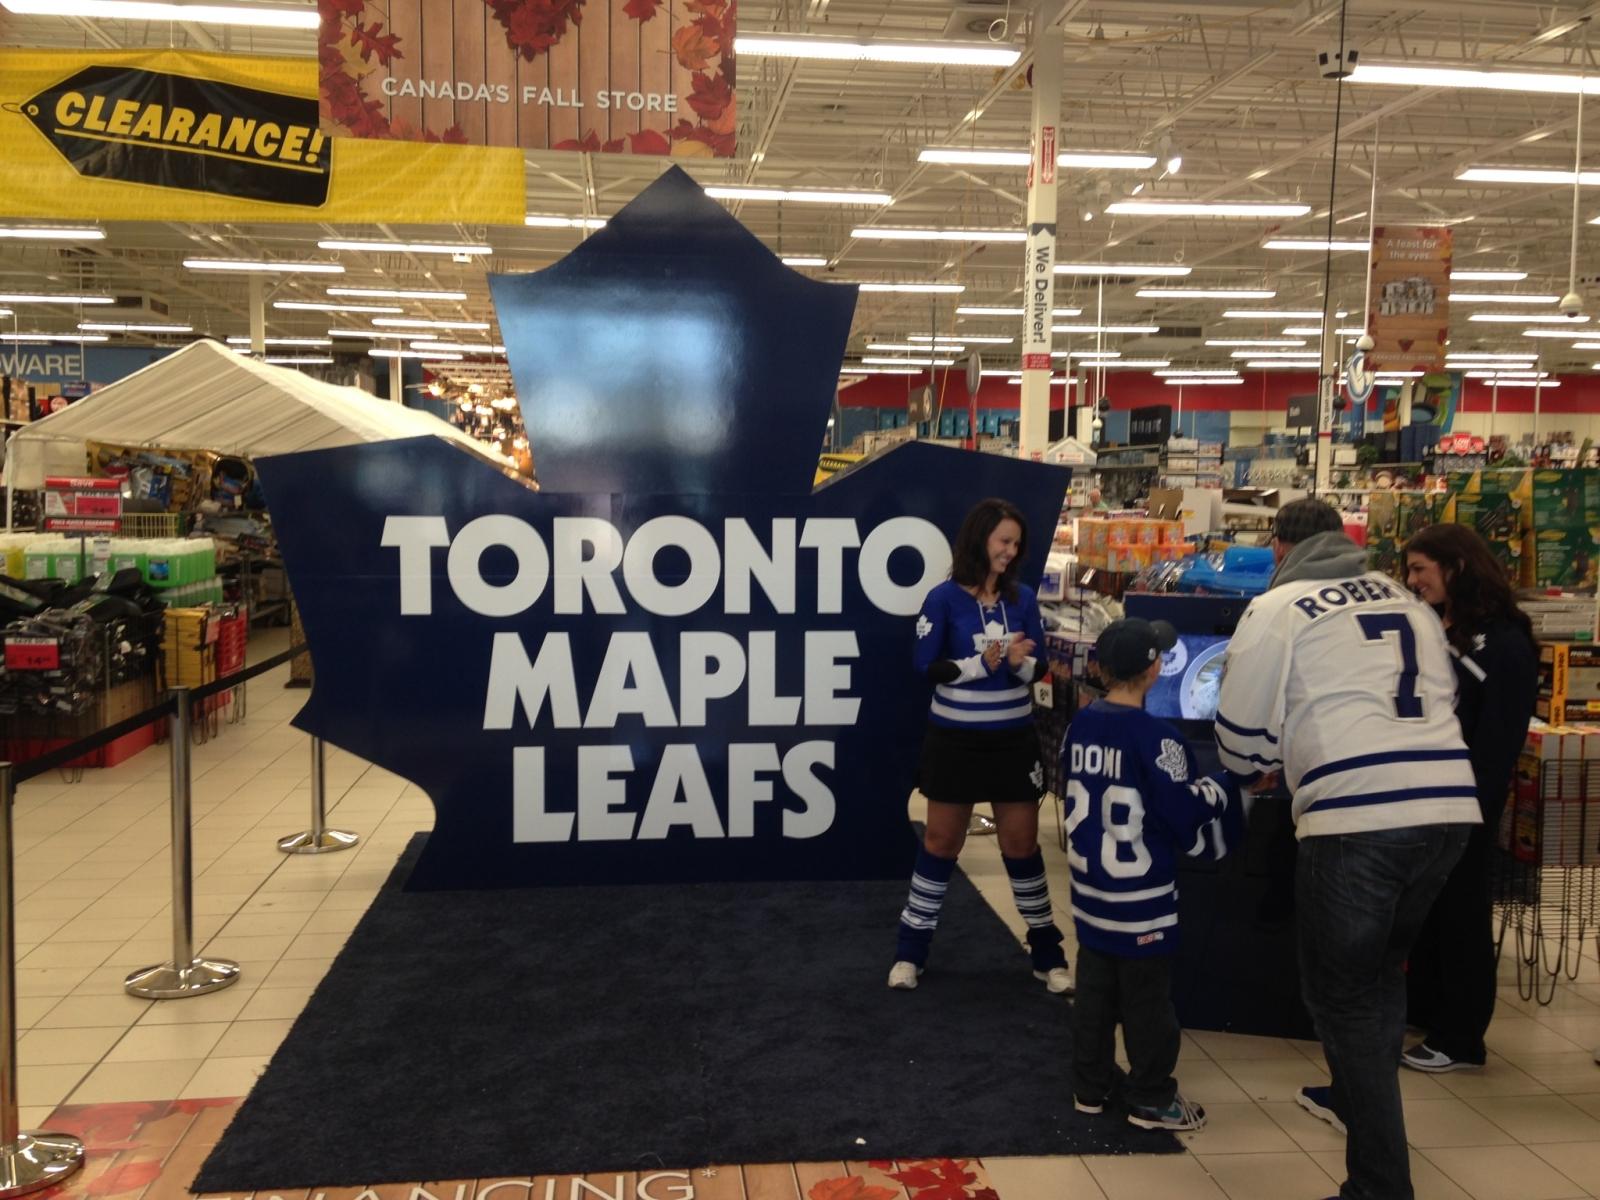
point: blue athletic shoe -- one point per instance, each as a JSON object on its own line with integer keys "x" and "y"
{"x": 1179, "y": 1115}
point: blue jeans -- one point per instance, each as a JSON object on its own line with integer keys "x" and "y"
{"x": 1360, "y": 900}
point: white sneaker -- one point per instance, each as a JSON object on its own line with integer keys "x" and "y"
{"x": 903, "y": 975}
{"x": 1058, "y": 980}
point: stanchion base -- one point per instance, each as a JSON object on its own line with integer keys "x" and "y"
{"x": 308, "y": 843}
{"x": 167, "y": 982}
{"x": 38, "y": 1160}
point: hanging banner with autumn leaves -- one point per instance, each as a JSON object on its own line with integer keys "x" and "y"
{"x": 612, "y": 76}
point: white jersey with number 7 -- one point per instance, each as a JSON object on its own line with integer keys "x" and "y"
{"x": 1346, "y": 686}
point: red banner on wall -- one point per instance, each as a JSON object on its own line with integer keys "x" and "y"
{"x": 615, "y": 76}
{"x": 1410, "y": 302}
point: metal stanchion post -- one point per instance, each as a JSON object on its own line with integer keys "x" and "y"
{"x": 28, "y": 1161}
{"x": 185, "y": 975}
{"x": 319, "y": 839}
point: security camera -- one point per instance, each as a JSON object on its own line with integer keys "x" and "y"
{"x": 1365, "y": 343}
{"x": 1571, "y": 305}
{"x": 1333, "y": 65}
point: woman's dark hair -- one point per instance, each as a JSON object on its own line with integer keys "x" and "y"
{"x": 1479, "y": 590}
{"x": 969, "y": 557}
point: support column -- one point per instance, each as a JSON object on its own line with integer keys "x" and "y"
{"x": 258, "y": 315}
{"x": 397, "y": 387}
{"x": 1326, "y": 386}
{"x": 1039, "y": 270}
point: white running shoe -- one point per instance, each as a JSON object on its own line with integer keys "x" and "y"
{"x": 1058, "y": 980}
{"x": 903, "y": 975}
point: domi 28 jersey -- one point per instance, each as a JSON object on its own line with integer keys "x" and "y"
{"x": 1133, "y": 806}
{"x": 1346, "y": 683}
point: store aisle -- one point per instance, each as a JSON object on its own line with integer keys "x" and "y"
{"x": 93, "y": 905}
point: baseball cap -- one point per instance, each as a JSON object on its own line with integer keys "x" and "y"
{"x": 1127, "y": 647}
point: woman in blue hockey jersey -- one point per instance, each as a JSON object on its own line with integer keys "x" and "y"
{"x": 976, "y": 637}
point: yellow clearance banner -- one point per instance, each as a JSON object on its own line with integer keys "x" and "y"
{"x": 178, "y": 136}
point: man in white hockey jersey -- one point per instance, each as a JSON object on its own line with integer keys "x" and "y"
{"x": 1341, "y": 678}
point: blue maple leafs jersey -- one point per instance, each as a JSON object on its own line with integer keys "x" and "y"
{"x": 954, "y": 627}
{"x": 1133, "y": 806}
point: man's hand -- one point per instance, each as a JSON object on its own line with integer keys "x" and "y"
{"x": 1019, "y": 650}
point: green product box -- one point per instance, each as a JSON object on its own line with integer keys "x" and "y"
{"x": 1564, "y": 558}
{"x": 1566, "y": 499}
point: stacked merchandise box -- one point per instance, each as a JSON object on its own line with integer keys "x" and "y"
{"x": 188, "y": 647}
{"x": 1569, "y": 682}
{"x": 1499, "y": 505}
{"x": 1566, "y": 521}
{"x": 1553, "y": 819}
{"x": 1392, "y": 519}
{"x": 1129, "y": 543}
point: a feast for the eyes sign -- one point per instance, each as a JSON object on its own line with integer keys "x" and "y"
{"x": 673, "y": 661}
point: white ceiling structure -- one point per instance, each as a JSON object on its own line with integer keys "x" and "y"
{"x": 1234, "y": 89}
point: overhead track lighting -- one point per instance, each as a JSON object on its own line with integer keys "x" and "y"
{"x": 1255, "y": 342}
{"x": 319, "y": 306}
{"x": 1269, "y": 314}
{"x": 265, "y": 16}
{"x": 804, "y": 260}
{"x": 1527, "y": 319}
{"x": 441, "y": 355}
{"x": 964, "y": 338}
{"x": 980, "y": 310}
{"x": 1487, "y": 276}
{"x": 937, "y": 289}
{"x": 801, "y": 195}
{"x": 54, "y": 337}
{"x": 543, "y": 222}
{"x": 951, "y": 54}
{"x": 1105, "y": 329}
{"x": 394, "y": 294}
{"x": 1337, "y": 245}
{"x": 288, "y": 360}
{"x": 242, "y": 340}
{"x": 1209, "y": 208}
{"x": 1071, "y": 159}
{"x": 419, "y": 323}
{"x": 120, "y": 327}
{"x": 1500, "y": 298}
{"x": 1544, "y": 175}
{"x": 1201, "y": 381}
{"x": 46, "y": 233}
{"x": 907, "y": 362}
{"x": 53, "y": 298}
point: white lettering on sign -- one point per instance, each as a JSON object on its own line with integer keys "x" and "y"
{"x": 36, "y": 364}
{"x": 671, "y": 566}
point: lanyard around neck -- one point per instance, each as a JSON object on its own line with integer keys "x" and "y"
{"x": 983, "y": 621}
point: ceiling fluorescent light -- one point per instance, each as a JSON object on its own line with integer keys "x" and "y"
{"x": 803, "y": 195}
{"x": 1134, "y": 363}
{"x": 1195, "y": 372}
{"x": 1586, "y": 345}
{"x": 1408, "y": 75}
{"x": 908, "y": 362}
{"x": 319, "y": 306}
{"x": 242, "y": 340}
{"x": 1390, "y": 376}
{"x": 1072, "y": 159}
{"x": 980, "y": 310}
{"x": 1527, "y": 319}
{"x": 942, "y": 348}
{"x": 1105, "y": 328}
{"x": 950, "y": 54}
{"x": 285, "y": 360}
{"x": 1206, "y": 293}
{"x": 1133, "y": 270}
{"x": 394, "y": 294}
{"x": 1316, "y": 331}
{"x": 1336, "y": 244}
{"x": 857, "y": 370}
{"x": 54, "y": 337}
{"x": 1096, "y": 354}
{"x": 1201, "y": 381}
{"x": 1569, "y": 334}
{"x": 804, "y": 260}
{"x": 542, "y": 222}
{"x": 1055, "y": 380}
{"x": 1546, "y": 385}
{"x": 1309, "y": 364}
{"x": 45, "y": 233}
{"x": 894, "y": 233}
{"x": 1305, "y": 354}
{"x": 1485, "y": 355}
{"x": 407, "y": 247}
{"x": 419, "y": 323}
{"x": 1255, "y": 342}
{"x": 965, "y": 338}
{"x": 1546, "y": 175}
{"x": 937, "y": 289}
{"x": 463, "y": 347}
{"x": 386, "y": 352}
{"x": 1207, "y": 208}
{"x": 367, "y": 334}
{"x": 266, "y": 16}
{"x": 120, "y": 327}
{"x": 1486, "y": 373}
{"x": 1500, "y": 298}
{"x": 53, "y": 298}
{"x": 263, "y": 266}
{"x": 1292, "y": 314}
{"x": 1487, "y": 276}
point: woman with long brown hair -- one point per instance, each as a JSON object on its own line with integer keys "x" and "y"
{"x": 1451, "y": 978}
{"x": 976, "y": 640}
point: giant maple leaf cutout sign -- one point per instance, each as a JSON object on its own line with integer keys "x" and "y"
{"x": 674, "y": 660}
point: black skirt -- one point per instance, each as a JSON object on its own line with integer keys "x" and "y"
{"x": 981, "y": 766}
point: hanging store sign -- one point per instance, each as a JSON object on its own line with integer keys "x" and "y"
{"x": 677, "y": 659}
{"x": 209, "y": 137}
{"x": 613, "y": 76}
{"x": 1409, "y": 309}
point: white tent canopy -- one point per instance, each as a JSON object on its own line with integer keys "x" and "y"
{"x": 207, "y": 397}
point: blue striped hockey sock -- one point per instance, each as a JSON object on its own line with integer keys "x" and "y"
{"x": 930, "y": 879}
{"x": 1032, "y": 894}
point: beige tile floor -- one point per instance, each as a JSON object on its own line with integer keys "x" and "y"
{"x": 93, "y": 893}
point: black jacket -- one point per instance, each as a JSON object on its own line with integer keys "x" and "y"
{"x": 1497, "y": 680}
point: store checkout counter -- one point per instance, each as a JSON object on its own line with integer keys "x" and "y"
{"x": 1236, "y": 966}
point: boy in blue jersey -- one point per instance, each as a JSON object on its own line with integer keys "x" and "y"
{"x": 1134, "y": 805}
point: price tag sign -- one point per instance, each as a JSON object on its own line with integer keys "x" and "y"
{"x": 32, "y": 654}
{"x": 74, "y": 504}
